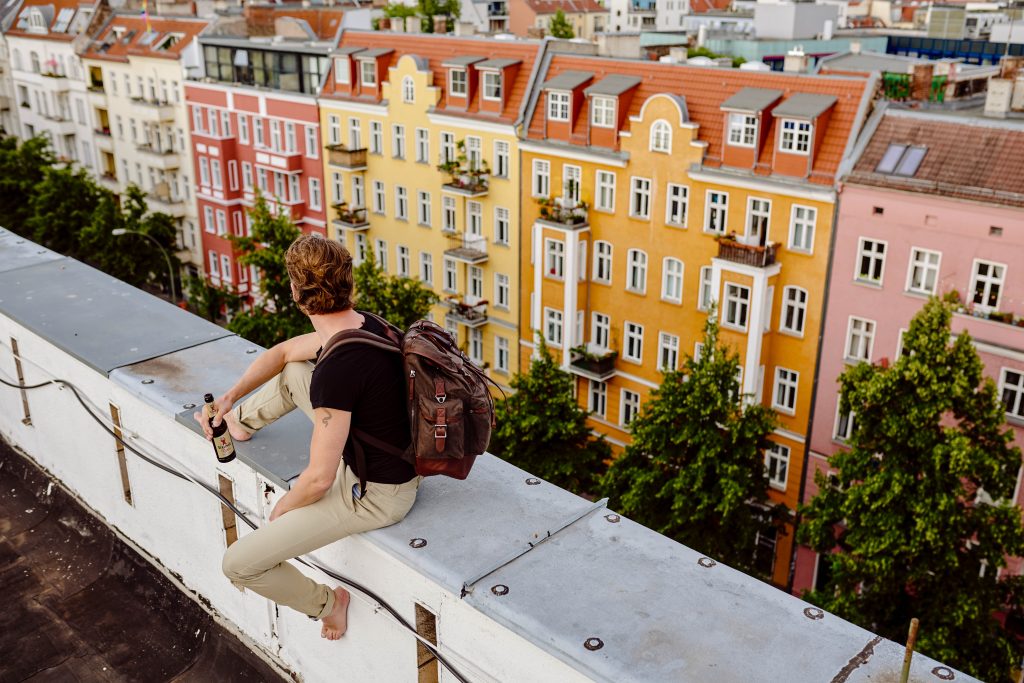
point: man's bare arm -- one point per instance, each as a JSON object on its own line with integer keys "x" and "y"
{"x": 330, "y": 432}
{"x": 266, "y": 365}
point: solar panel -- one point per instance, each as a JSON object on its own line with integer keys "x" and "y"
{"x": 63, "y": 20}
{"x": 912, "y": 158}
{"x": 890, "y": 159}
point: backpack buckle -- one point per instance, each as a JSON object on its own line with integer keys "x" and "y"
{"x": 440, "y": 431}
{"x": 441, "y": 398}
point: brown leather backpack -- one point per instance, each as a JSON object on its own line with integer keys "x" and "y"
{"x": 451, "y": 412}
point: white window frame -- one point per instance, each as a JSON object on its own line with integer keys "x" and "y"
{"x": 661, "y": 137}
{"x": 458, "y": 83}
{"x": 541, "y": 179}
{"x": 312, "y": 144}
{"x": 600, "y": 330}
{"x": 633, "y": 342}
{"x": 629, "y": 407}
{"x": 451, "y": 275}
{"x": 554, "y": 259}
{"x": 920, "y": 260}
{"x": 736, "y": 308}
{"x": 604, "y": 195}
{"x": 554, "y": 327}
{"x": 502, "y": 225}
{"x": 784, "y": 390}
{"x": 668, "y": 351}
{"x": 502, "y": 291}
{"x": 779, "y": 455}
{"x": 1011, "y": 392}
{"x": 802, "y": 228}
{"x": 402, "y": 260}
{"x": 860, "y": 333}
{"x": 493, "y": 86}
{"x": 559, "y": 105}
{"x": 427, "y": 268}
{"x": 597, "y": 398}
{"x": 742, "y": 129}
{"x": 718, "y": 209}
{"x": 842, "y": 436}
{"x": 502, "y": 354}
{"x": 602, "y": 269}
{"x": 672, "y": 282}
{"x": 795, "y": 136}
{"x": 368, "y": 72}
{"x": 602, "y": 111}
{"x": 397, "y": 141}
{"x": 677, "y": 205}
{"x": 640, "y": 197}
{"x": 874, "y": 256}
{"x": 793, "y": 299}
{"x": 990, "y": 281}
{"x": 704, "y": 294}
{"x": 759, "y": 217}
{"x": 502, "y": 158}
{"x": 636, "y": 271}
{"x": 401, "y": 203}
{"x": 422, "y": 146}
{"x": 423, "y": 208}
{"x": 408, "y": 90}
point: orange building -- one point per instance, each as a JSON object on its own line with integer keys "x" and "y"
{"x": 654, "y": 192}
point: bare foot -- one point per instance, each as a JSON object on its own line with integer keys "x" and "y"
{"x": 237, "y": 432}
{"x": 335, "y": 624}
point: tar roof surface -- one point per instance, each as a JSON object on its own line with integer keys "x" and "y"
{"x": 706, "y": 88}
{"x": 966, "y": 159}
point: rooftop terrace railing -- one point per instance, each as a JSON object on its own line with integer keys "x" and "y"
{"x": 600, "y": 599}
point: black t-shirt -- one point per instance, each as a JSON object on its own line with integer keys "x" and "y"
{"x": 369, "y": 383}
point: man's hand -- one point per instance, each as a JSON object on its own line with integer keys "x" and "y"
{"x": 222, "y": 406}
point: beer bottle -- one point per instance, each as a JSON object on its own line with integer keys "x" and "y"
{"x": 223, "y": 446}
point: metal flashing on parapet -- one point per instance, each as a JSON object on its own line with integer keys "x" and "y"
{"x": 467, "y": 586}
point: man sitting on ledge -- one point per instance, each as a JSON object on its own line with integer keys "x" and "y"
{"x": 357, "y": 386}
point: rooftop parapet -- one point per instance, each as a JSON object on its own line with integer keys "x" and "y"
{"x": 527, "y": 582}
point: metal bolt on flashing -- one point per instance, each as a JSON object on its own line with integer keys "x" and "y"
{"x": 943, "y": 673}
{"x": 418, "y": 542}
{"x": 189, "y": 406}
{"x": 499, "y": 589}
{"x": 814, "y": 613}
{"x": 613, "y": 518}
{"x": 251, "y": 350}
{"x": 593, "y": 643}
{"x": 706, "y": 562}
{"x": 147, "y": 381}
{"x": 532, "y": 481}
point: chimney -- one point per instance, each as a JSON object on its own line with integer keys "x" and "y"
{"x": 855, "y": 47}
{"x": 465, "y": 28}
{"x": 440, "y": 24}
{"x": 678, "y": 55}
{"x": 998, "y": 97}
{"x": 921, "y": 81}
{"x": 796, "y": 61}
{"x": 413, "y": 24}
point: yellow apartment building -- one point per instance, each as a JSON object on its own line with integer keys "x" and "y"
{"x": 655, "y": 193}
{"x": 422, "y": 170}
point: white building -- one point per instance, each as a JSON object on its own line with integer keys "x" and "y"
{"x": 48, "y": 78}
{"x": 794, "y": 20}
{"x": 632, "y": 15}
{"x": 136, "y": 72}
{"x": 8, "y": 104}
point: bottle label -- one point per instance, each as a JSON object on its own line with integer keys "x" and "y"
{"x": 225, "y": 447}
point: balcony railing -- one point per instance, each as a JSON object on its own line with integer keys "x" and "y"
{"x": 470, "y": 315}
{"x": 470, "y": 249}
{"x": 563, "y": 213}
{"x": 593, "y": 363}
{"x": 748, "y": 255}
{"x": 467, "y": 177}
{"x": 351, "y": 159}
{"x": 350, "y": 219}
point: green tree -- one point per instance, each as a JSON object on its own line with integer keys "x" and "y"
{"x": 695, "y": 468}
{"x": 542, "y": 429}
{"x": 62, "y": 205}
{"x": 560, "y": 26}
{"x": 275, "y": 318}
{"x": 399, "y": 300}
{"x": 22, "y": 167}
{"x": 131, "y": 258}
{"x": 921, "y": 517}
{"x": 212, "y": 303}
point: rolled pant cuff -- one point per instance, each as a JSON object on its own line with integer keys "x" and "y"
{"x": 328, "y": 607}
{"x": 237, "y": 412}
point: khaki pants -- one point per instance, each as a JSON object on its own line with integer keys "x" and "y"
{"x": 259, "y": 560}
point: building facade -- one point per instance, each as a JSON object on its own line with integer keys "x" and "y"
{"x": 533, "y": 17}
{"x": 49, "y": 79}
{"x": 255, "y": 128}
{"x": 933, "y": 207}
{"x": 655, "y": 193}
{"x": 136, "y": 71}
{"x": 422, "y": 167}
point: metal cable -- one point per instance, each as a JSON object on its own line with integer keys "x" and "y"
{"x": 359, "y": 588}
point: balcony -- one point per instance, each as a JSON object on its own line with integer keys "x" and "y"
{"x": 471, "y": 249}
{"x": 160, "y": 157}
{"x": 55, "y": 82}
{"x": 108, "y": 179}
{"x": 564, "y": 214}
{"x": 104, "y": 142}
{"x": 60, "y": 124}
{"x": 160, "y": 199}
{"x": 593, "y": 363}
{"x": 744, "y": 254}
{"x": 287, "y": 162}
{"x": 466, "y": 178}
{"x": 348, "y": 159}
{"x": 153, "y": 111}
{"x": 464, "y": 313}
{"x": 350, "y": 219}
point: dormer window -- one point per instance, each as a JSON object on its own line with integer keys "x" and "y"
{"x": 661, "y": 137}
{"x": 341, "y": 71}
{"x": 458, "y": 83}
{"x": 602, "y": 112}
{"x": 492, "y": 85}
{"x": 36, "y": 22}
{"x": 742, "y": 130}
{"x": 796, "y": 136}
{"x": 368, "y": 72}
{"x": 558, "y": 106}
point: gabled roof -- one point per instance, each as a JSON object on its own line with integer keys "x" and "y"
{"x": 752, "y": 99}
{"x": 705, "y": 90}
{"x": 804, "y": 105}
{"x": 965, "y": 158}
{"x": 164, "y": 37}
{"x": 438, "y": 50}
{"x": 63, "y": 19}
{"x": 612, "y": 85}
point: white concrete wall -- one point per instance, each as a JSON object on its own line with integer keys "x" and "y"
{"x": 792, "y": 21}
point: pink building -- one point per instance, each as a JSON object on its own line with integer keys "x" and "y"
{"x": 933, "y": 204}
{"x": 255, "y": 127}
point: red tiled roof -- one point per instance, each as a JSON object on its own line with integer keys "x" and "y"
{"x": 323, "y": 21}
{"x": 702, "y": 6}
{"x": 705, "y": 89}
{"x": 51, "y": 5}
{"x": 567, "y": 6}
{"x": 966, "y": 158}
{"x": 135, "y": 42}
{"x": 436, "y": 49}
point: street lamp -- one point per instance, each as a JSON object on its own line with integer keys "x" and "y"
{"x": 117, "y": 232}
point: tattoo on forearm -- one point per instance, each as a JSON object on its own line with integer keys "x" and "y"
{"x": 326, "y": 418}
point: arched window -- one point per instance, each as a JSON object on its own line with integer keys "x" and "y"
{"x": 408, "y": 90}
{"x": 34, "y": 57}
{"x": 661, "y": 137}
